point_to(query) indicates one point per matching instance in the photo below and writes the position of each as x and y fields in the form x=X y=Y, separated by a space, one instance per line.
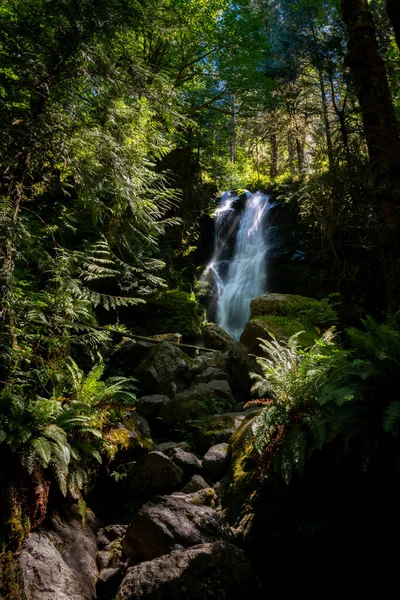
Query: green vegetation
x=120 y=122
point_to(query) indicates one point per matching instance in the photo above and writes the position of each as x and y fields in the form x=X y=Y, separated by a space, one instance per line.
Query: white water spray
x=241 y=277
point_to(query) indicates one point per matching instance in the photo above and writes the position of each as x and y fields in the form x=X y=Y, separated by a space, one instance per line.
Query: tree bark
x=273 y=171
x=393 y=11
x=291 y=152
x=325 y=111
x=381 y=133
x=300 y=154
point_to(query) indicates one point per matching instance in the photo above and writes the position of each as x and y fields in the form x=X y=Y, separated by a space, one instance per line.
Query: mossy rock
x=175 y=311
x=243 y=474
x=266 y=327
x=283 y=315
x=310 y=312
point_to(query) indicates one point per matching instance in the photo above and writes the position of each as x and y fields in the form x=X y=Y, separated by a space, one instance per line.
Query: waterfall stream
x=238 y=265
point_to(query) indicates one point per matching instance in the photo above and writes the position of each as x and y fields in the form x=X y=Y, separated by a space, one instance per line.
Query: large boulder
x=283 y=315
x=169 y=523
x=215 y=337
x=311 y=312
x=153 y=473
x=203 y=572
x=199 y=400
x=164 y=371
x=59 y=562
x=196 y=484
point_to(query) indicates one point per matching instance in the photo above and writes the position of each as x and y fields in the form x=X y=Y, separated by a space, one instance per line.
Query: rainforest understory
x=155 y=158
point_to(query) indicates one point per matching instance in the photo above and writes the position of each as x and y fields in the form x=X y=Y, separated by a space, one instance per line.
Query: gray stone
x=164 y=370
x=153 y=473
x=59 y=562
x=201 y=363
x=108 y=534
x=209 y=571
x=169 y=523
x=187 y=461
x=211 y=374
x=195 y=484
x=111 y=557
x=207 y=496
x=149 y=406
x=167 y=447
x=216 y=460
x=215 y=337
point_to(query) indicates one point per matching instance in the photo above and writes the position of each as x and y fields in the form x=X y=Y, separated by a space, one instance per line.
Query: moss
x=10 y=576
x=243 y=474
x=175 y=311
x=309 y=311
x=285 y=327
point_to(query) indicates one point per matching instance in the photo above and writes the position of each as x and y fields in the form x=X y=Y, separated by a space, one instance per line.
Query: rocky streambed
x=186 y=471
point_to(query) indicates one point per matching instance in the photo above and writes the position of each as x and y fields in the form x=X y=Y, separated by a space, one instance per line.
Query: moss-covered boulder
x=175 y=311
x=283 y=315
x=164 y=371
x=215 y=429
x=188 y=407
x=240 y=495
x=311 y=312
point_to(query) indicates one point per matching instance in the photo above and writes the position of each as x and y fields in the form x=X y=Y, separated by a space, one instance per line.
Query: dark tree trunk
x=274 y=156
x=325 y=111
x=393 y=11
x=381 y=133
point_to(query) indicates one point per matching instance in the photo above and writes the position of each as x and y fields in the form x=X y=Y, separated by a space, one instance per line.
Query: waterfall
x=240 y=275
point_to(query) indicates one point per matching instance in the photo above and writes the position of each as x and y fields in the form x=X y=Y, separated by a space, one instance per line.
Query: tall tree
x=382 y=135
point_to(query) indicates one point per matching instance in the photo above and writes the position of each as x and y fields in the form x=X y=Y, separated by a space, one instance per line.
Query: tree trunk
x=273 y=171
x=381 y=133
x=300 y=154
x=233 y=133
x=393 y=11
x=325 y=111
x=291 y=152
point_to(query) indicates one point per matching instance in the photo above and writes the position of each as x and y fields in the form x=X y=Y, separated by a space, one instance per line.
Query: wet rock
x=164 y=371
x=153 y=473
x=195 y=484
x=239 y=367
x=187 y=461
x=216 y=460
x=168 y=523
x=59 y=562
x=204 y=572
x=215 y=337
x=149 y=406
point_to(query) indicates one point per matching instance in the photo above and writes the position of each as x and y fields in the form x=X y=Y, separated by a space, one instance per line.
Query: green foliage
x=305 y=389
x=63 y=436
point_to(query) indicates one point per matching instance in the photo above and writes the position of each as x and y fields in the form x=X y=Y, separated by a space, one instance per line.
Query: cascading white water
x=241 y=277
